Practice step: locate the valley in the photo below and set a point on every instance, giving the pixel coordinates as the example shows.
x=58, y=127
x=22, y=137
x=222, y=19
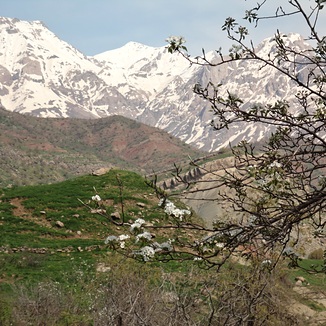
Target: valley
x=123, y=202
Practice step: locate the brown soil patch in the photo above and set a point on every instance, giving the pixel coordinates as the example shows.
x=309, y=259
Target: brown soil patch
x=309, y=315
x=21, y=211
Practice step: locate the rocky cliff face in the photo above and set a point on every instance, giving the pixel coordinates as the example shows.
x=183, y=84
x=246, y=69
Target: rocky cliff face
x=44, y=76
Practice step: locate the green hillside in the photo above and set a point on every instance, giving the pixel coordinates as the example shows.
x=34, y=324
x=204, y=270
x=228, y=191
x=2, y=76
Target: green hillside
x=29, y=214
x=55, y=268
x=34, y=249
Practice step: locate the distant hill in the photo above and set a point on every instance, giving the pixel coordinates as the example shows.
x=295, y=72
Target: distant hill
x=37, y=150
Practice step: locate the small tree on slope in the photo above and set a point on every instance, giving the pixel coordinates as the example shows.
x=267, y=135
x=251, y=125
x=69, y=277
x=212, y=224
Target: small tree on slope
x=282, y=186
x=275, y=190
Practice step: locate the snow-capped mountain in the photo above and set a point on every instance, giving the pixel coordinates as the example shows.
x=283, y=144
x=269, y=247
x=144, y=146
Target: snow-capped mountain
x=44, y=76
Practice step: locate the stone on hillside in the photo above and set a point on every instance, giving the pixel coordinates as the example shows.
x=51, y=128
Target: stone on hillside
x=59, y=224
x=98, y=211
x=298, y=283
x=101, y=171
x=115, y=216
x=142, y=205
x=301, y=279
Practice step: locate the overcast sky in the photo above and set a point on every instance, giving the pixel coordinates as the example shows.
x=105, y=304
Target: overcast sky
x=95, y=26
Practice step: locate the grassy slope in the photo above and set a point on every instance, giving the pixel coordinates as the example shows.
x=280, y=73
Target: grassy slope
x=24, y=224
x=28, y=216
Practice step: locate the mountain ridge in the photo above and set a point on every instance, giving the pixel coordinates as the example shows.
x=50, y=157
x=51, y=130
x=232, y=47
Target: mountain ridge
x=48, y=78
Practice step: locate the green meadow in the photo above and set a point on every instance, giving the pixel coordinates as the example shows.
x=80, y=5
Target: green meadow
x=53, y=274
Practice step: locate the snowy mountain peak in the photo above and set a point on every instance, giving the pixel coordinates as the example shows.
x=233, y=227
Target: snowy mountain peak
x=128, y=54
x=135, y=46
x=46, y=77
x=293, y=40
x=23, y=38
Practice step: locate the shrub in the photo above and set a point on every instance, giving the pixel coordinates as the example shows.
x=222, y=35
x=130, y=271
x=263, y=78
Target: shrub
x=317, y=254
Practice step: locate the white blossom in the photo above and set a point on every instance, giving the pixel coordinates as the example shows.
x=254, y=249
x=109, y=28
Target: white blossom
x=166, y=246
x=110, y=238
x=96, y=198
x=161, y=202
x=176, y=40
x=172, y=210
x=275, y=164
x=137, y=225
x=140, y=221
x=147, y=252
x=145, y=235
x=123, y=237
x=266, y=262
